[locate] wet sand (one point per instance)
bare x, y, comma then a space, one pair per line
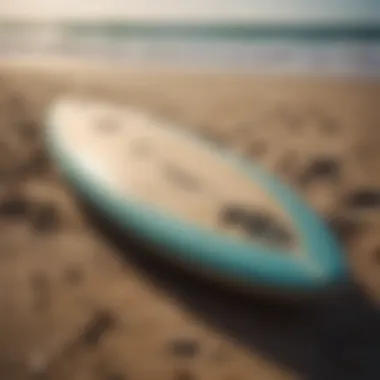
79, 304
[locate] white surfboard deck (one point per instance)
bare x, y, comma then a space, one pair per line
141, 156
202, 205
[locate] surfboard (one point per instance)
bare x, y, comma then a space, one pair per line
200, 205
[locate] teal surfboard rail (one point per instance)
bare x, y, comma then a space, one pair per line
322, 264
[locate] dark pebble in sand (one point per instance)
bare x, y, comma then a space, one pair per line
344, 227
376, 255
45, 218
39, 281
14, 206
364, 199
326, 123
184, 374
101, 323
27, 130
321, 168
39, 163
73, 275
114, 376
184, 348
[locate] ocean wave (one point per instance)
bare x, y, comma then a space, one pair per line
276, 54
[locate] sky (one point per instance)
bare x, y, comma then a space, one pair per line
232, 10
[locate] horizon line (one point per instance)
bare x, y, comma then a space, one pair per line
195, 21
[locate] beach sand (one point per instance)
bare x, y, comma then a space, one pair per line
76, 306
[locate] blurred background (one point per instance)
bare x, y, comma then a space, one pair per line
291, 84
295, 36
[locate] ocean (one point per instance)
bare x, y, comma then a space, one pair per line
301, 50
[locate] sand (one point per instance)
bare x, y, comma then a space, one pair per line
75, 305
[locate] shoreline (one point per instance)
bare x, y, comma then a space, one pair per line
60, 64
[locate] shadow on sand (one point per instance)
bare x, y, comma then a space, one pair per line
337, 337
